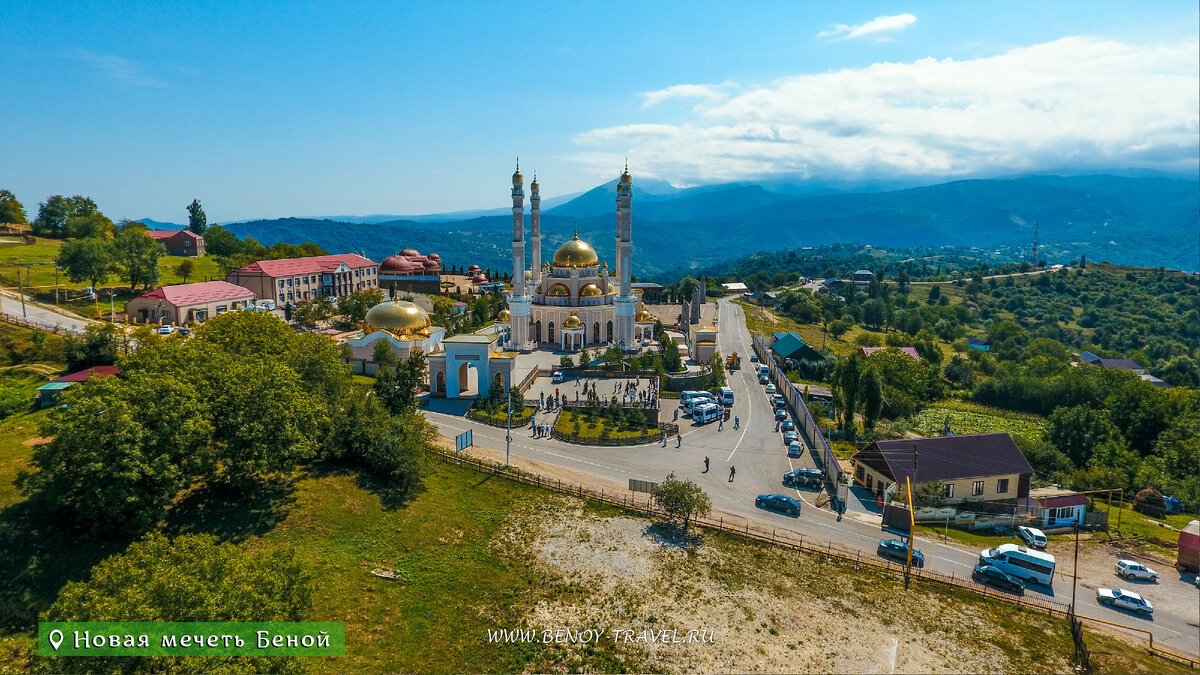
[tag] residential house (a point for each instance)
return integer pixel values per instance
(975, 467)
(1057, 507)
(792, 346)
(49, 393)
(179, 242)
(736, 287)
(296, 279)
(981, 345)
(1123, 364)
(188, 303)
(863, 278)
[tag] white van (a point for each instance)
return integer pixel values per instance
(697, 401)
(689, 395)
(706, 412)
(726, 396)
(764, 369)
(1023, 563)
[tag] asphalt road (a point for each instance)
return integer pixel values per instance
(758, 453)
(11, 304)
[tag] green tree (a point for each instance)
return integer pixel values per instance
(98, 347)
(935, 294)
(613, 356)
(219, 241)
(846, 389)
(354, 306)
(872, 398)
(52, 217)
(585, 357)
(1077, 430)
(11, 210)
(193, 577)
(398, 450)
(89, 260)
(137, 255)
(682, 499)
(382, 354)
(873, 313)
(185, 269)
(197, 221)
(672, 362)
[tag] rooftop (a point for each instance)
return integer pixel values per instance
(183, 295)
(946, 457)
(167, 234)
(867, 351)
(88, 373)
(313, 264)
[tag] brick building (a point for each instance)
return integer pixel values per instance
(179, 242)
(296, 279)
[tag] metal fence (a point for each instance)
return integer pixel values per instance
(42, 325)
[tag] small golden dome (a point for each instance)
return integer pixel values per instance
(558, 291)
(590, 291)
(538, 290)
(517, 177)
(644, 317)
(534, 185)
(625, 177)
(576, 253)
(503, 315)
(572, 322)
(398, 317)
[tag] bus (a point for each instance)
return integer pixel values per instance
(1023, 563)
(706, 412)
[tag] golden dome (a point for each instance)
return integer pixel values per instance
(534, 185)
(576, 253)
(625, 177)
(644, 317)
(572, 322)
(538, 290)
(503, 315)
(517, 177)
(558, 291)
(398, 317)
(590, 291)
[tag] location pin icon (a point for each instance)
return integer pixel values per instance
(56, 638)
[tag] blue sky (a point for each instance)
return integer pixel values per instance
(298, 109)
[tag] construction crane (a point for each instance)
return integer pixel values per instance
(21, 288)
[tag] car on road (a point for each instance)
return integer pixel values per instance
(1119, 598)
(780, 503)
(795, 448)
(898, 550)
(557, 377)
(781, 414)
(803, 477)
(165, 329)
(754, 358)
(1132, 569)
(770, 389)
(764, 378)
(1033, 537)
(787, 425)
(182, 331)
(790, 437)
(778, 401)
(993, 576)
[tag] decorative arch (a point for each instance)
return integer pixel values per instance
(558, 291)
(550, 332)
(439, 381)
(537, 332)
(596, 333)
(610, 332)
(499, 379)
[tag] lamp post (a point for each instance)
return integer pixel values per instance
(112, 307)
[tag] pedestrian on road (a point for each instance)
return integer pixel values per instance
(705, 465)
(732, 471)
(776, 425)
(679, 441)
(664, 439)
(676, 419)
(737, 423)
(721, 425)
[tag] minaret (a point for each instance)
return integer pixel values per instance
(626, 303)
(519, 301)
(535, 217)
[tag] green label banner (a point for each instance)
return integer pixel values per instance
(151, 638)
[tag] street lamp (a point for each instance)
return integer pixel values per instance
(112, 308)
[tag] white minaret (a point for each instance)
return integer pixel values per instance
(626, 303)
(535, 220)
(519, 301)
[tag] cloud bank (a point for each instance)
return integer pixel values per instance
(880, 24)
(1076, 102)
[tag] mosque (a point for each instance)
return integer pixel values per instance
(572, 301)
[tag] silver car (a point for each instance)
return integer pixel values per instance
(1132, 569)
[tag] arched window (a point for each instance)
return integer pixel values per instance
(610, 332)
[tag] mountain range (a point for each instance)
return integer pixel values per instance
(1148, 221)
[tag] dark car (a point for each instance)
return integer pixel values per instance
(788, 425)
(803, 478)
(993, 576)
(780, 503)
(898, 550)
(781, 414)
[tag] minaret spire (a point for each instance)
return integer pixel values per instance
(518, 301)
(535, 217)
(626, 303)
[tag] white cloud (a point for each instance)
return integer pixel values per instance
(881, 24)
(118, 69)
(1072, 103)
(705, 92)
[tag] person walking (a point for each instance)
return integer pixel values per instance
(664, 439)
(679, 441)
(705, 465)
(737, 423)
(732, 471)
(721, 424)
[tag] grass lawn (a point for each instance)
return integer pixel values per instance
(593, 432)
(972, 418)
(14, 453)
(982, 541)
(1134, 524)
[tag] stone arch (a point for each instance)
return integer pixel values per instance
(537, 332)
(610, 332)
(596, 333)
(499, 379)
(439, 381)
(550, 332)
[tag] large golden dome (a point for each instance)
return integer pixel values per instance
(398, 317)
(590, 291)
(558, 291)
(576, 253)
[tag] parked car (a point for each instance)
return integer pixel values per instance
(898, 550)
(764, 378)
(754, 358)
(790, 437)
(781, 414)
(780, 503)
(994, 576)
(557, 377)
(182, 331)
(788, 425)
(778, 401)
(795, 448)
(1119, 598)
(1033, 537)
(770, 389)
(165, 329)
(1132, 569)
(803, 477)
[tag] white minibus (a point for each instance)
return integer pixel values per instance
(697, 401)
(686, 396)
(726, 396)
(706, 412)
(1023, 563)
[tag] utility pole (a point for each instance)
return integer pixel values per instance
(21, 292)
(508, 431)
(912, 521)
(1075, 574)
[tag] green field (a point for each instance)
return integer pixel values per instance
(972, 418)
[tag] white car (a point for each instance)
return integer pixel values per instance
(1132, 569)
(557, 377)
(1033, 537)
(770, 389)
(1119, 598)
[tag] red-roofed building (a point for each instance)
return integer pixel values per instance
(179, 242)
(187, 303)
(295, 279)
(867, 351)
(98, 372)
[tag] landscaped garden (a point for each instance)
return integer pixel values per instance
(607, 425)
